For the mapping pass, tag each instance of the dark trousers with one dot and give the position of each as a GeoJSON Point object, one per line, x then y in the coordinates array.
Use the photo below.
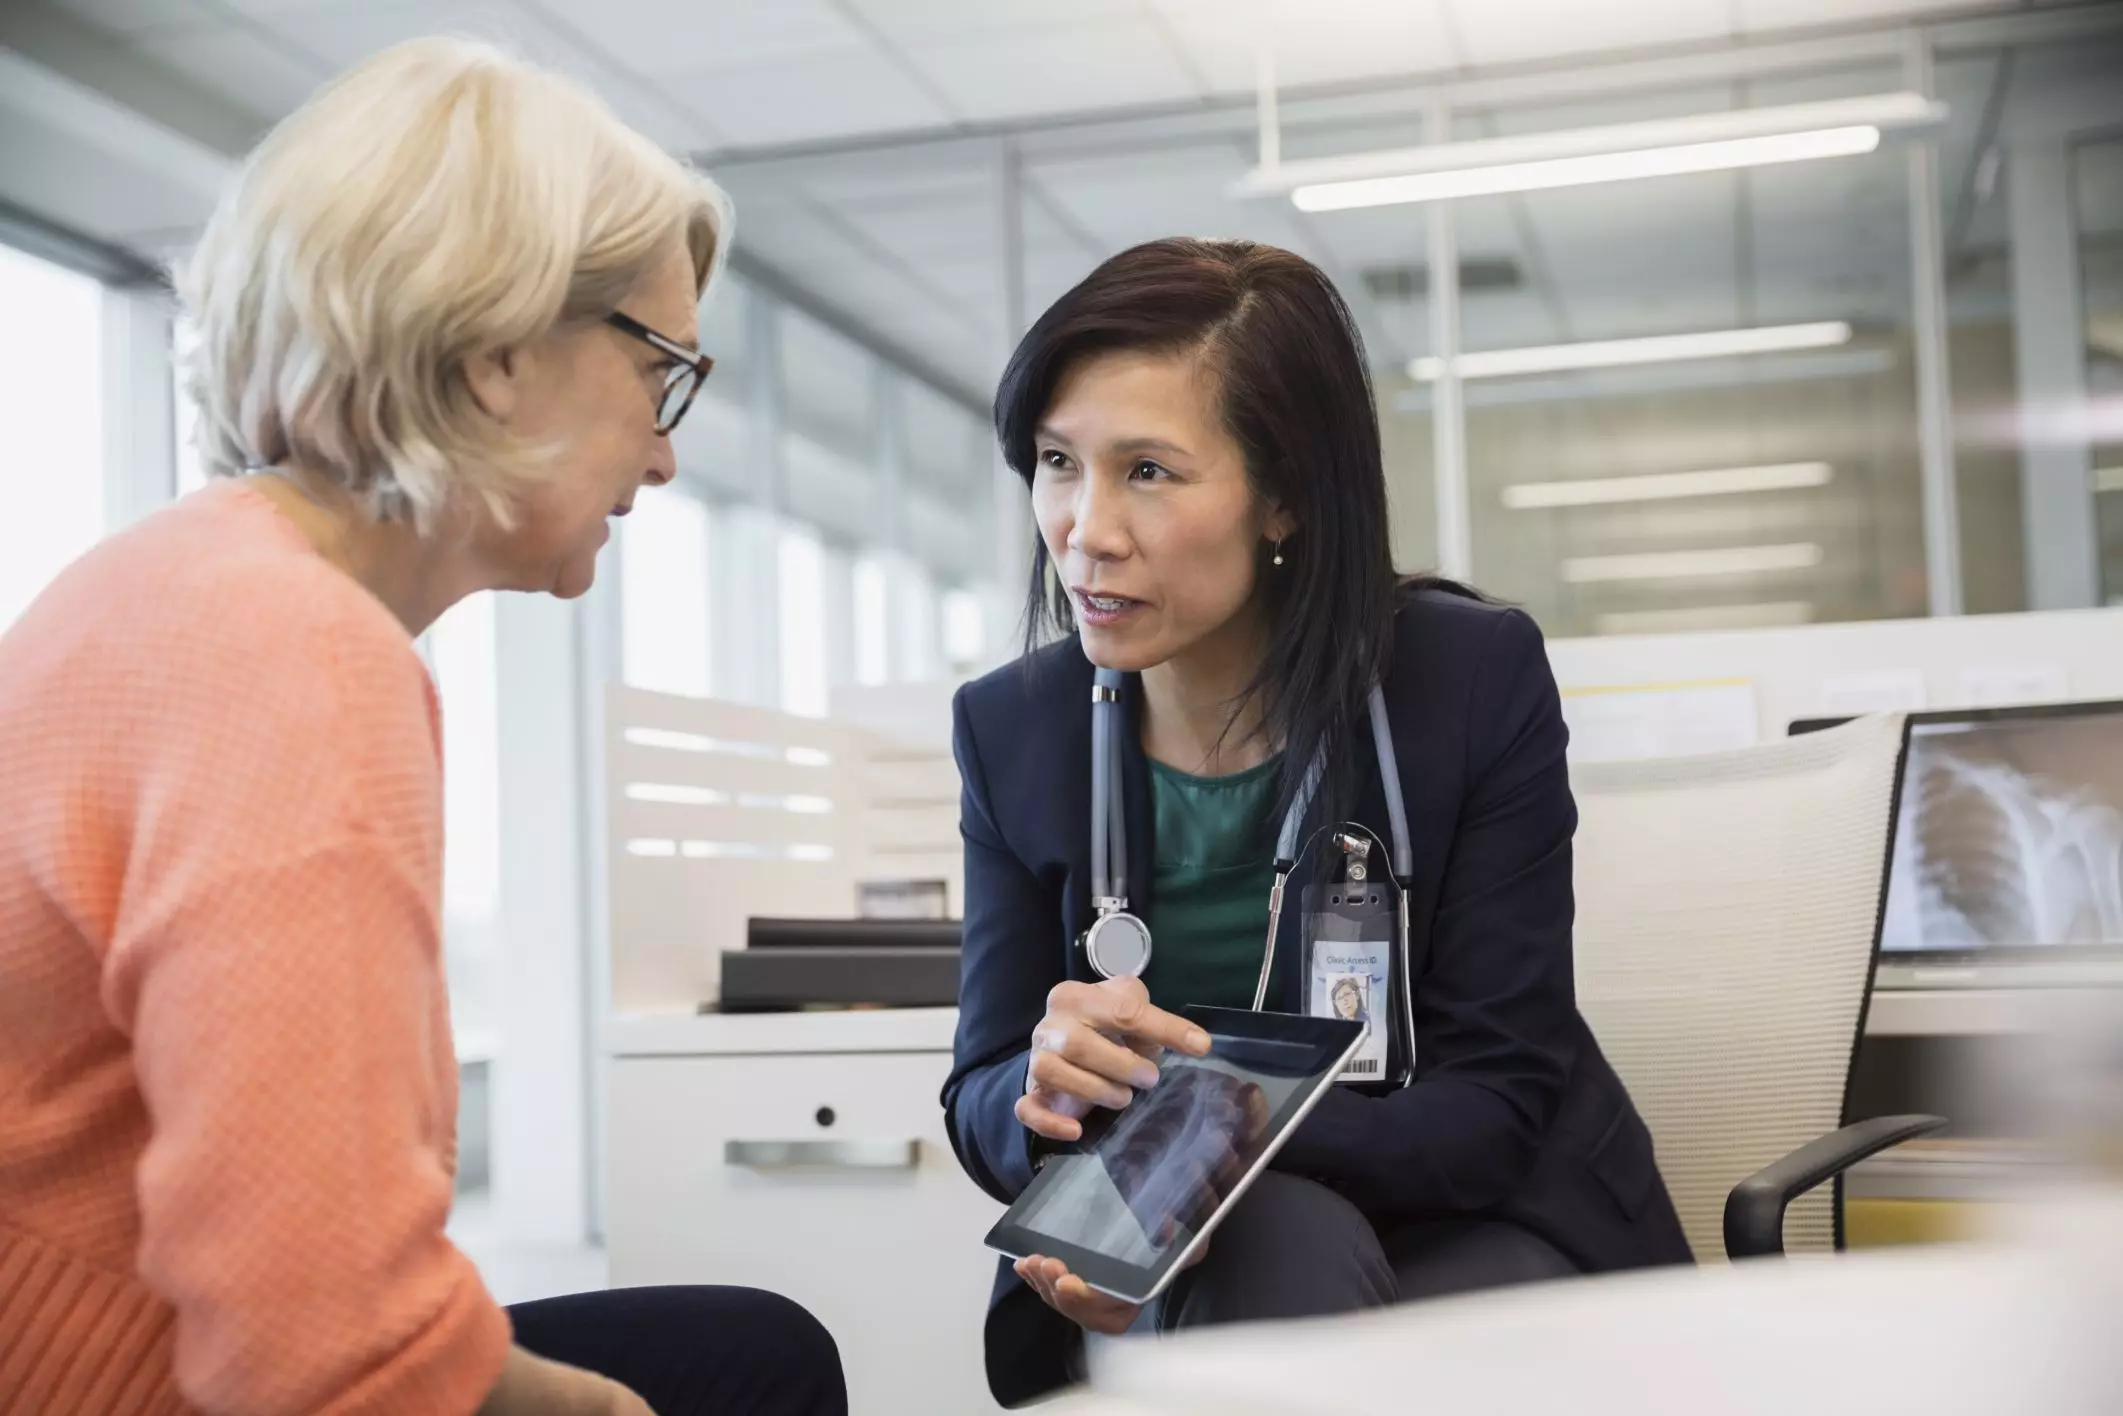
{"type": "Point", "coordinates": [694, 1351]}
{"type": "Point", "coordinates": [1295, 1249]}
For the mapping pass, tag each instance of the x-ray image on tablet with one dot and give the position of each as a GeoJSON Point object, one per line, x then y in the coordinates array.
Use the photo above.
{"type": "Point", "coordinates": [1126, 1207]}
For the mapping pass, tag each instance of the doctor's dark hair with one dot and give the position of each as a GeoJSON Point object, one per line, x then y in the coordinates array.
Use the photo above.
{"type": "Point", "coordinates": [1289, 367]}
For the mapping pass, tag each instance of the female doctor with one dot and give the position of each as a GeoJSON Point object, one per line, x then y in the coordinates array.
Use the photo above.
{"type": "Point", "coordinates": [1195, 425]}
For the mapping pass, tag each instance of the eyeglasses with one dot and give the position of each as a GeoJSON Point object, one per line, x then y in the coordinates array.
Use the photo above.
{"type": "Point", "coordinates": [681, 383]}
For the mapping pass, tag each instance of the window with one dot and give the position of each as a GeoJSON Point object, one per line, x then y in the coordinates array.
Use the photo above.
{"type": "Point", "coordinates": [873, 619]}
{"type": "Point", "coordinates": [917, 621]}
{"type": "Point", "coordinates": [460, 651]}
{"type": "Point", "coordinates": [191, 475]}
{"type": "Point", "coordinates": [1714, 486]}
{"type": "Point", "coordinates": [965, 629]}
{"type": "Point", "coordinates": [2097, 181]}
{"type": "Point", "coordinates": [803, 624]}
{"type": "Point", "coordinates": [664, 593]}
{"type": "Point", "coordinates": [51, 424]}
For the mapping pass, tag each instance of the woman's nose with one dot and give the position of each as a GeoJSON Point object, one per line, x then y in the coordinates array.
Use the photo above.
{"type": "Point", "coordinates": [1098, 529]}
{"type": "Point", "coordinates": [663, 463]}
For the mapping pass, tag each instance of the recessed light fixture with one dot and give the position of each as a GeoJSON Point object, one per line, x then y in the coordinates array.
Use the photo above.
{"type": "Point", "coordinates": [1683, 565]}
{"type": "Point", "coordinates": [1553, 172]}
{"type": "Point", "coordinates": [1704, 142]}
{"type": "Point", "coordinates": [1652, 349]}
{"type": "Point", "coordinates": [1660, 486]}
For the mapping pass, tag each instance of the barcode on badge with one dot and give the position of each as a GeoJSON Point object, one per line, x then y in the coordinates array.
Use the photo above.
{"type": "Point", "coordinates": [1363, 1067]}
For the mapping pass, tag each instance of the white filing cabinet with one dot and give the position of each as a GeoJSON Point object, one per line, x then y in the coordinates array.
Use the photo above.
{"type": "Point", "coordinates": [804, 1153]}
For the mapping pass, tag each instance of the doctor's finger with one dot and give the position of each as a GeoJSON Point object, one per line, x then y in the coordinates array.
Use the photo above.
{"type": "Point", "coordinates": [1129, 1011]}
{"type": "Point", "coordinates": [1100, 1312]}
{"type": "Point", "coordinates": [1033, 1271]}
{"type": "Point", "coordinates": [1038, 1113]}
{"type": "Point", "coordinates": [1052, 1072]}
{"type": "Point", "coordinates": [1076, 1042]}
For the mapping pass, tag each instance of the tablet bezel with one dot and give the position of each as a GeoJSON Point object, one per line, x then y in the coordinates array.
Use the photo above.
{"type": "Point", "coordinates": [1139, 1284]}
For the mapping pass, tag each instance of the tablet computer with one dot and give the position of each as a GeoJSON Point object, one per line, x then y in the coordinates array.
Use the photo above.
{"type": "Point", "coordinates": [1128, 1205]}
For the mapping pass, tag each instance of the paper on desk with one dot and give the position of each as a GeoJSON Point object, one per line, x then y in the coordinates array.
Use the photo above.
{"type": "Point", "coordinates": [2003, 685]}
{"type": "Point", "coordinates": [1881, 691]}
{"type": "Point", "coordinates": [1614, 722]}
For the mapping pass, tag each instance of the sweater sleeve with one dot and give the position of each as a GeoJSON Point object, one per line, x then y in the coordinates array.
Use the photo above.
{"type": "Point", "coordinates": [293, 1194]}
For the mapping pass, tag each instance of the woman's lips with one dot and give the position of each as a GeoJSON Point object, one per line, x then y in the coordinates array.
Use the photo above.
{"type": "Point", "coordinates": [1100, 611]}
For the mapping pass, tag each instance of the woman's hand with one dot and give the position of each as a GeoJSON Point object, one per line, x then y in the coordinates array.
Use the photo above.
{"type": "Point", "coordinates": [1075, 1299]}
{"type": "Point", "coordinates": [1097, 1046]}
{"type": "Point", "coordinates": [531, 1385]}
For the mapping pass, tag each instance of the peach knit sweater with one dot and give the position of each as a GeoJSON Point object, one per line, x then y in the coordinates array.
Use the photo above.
{"type": "Point", "coordinates": [228, 1097]}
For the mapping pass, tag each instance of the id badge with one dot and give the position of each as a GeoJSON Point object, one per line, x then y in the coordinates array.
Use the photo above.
{"type": "Point", "coordinates": [1349, 936]}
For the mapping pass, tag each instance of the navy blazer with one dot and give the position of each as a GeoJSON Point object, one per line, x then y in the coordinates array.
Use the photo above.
{"type": "Point", "coordinates": [1513, 1112]}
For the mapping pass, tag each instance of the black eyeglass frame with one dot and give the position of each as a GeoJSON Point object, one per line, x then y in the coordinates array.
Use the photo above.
{"type": "Point", "coordinates": [692, 365]}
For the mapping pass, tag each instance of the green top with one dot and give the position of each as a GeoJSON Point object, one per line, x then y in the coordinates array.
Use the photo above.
{"type": "Point", "coordinates": [1208, 900]}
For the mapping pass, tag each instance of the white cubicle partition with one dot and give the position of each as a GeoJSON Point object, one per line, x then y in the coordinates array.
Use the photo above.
{"type": "Point", "coordinates": [1777, 675]}
{"type": "Point", "coordinates": [800, 1153]}
{"type": "Point", "coordinates": [720, 813]}
{"type": "Point", "coordinates": [1846, 669]}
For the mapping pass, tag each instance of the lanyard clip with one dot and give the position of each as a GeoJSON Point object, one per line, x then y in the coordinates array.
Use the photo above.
{"type": "Point", "coordinates": [1356, 856]}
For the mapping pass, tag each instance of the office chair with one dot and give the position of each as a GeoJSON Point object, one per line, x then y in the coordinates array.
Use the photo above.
{"type": "Point", "coordinates": [1728, 913]}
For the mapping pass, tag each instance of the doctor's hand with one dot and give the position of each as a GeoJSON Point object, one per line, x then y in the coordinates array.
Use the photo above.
{"type": "Point", "coordinates": [1097, 1046]}
{"type": "Point", "coordinates": [1075, 1299]}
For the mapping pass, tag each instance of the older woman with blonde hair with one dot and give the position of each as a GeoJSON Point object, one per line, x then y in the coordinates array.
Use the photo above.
{"type": "Point", "coordinates": [447, 319]}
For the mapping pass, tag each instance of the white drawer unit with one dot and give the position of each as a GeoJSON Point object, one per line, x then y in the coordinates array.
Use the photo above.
{"type": "Point", "coordinates": [805, 1154]}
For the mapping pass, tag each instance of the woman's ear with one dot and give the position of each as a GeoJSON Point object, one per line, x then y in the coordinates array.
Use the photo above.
{"type": "Point", "coordinates": [493, 376]}
{"type": "Point", "coordinates": [1279, 525]}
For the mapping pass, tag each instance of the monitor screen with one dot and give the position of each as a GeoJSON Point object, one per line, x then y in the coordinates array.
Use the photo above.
{"type": "Point", "coordinates": [2009, 832]}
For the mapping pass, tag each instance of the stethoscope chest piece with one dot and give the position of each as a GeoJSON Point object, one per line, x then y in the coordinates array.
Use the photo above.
{"type": "Point", "coordinates": [1117, 945]}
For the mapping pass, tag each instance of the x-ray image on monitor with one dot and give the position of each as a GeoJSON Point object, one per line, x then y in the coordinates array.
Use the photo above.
{"type": "Point", "coordinates": [2009, 833]}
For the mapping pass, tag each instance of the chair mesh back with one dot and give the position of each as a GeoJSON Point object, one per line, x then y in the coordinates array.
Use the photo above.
{"type": "Point", "coordinates": [1726, 908]}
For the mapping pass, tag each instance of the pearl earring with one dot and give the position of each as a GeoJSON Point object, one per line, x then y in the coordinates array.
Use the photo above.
{"type": "Point", "coordinates": [1278, 550]}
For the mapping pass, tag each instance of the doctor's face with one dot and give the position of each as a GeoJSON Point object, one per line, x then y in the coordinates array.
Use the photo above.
{"type": "Point", "coordinates": [1147, 512]}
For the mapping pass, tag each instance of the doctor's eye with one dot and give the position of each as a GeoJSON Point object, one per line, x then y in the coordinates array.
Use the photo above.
{"type": "Point", "coordinates": [1145, 470]}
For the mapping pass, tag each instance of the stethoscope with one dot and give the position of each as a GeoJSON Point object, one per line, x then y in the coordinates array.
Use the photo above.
{"type": "Point", "coordinates": [1117, 945]}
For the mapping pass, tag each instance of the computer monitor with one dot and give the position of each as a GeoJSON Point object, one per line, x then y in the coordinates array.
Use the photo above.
{"type": "Point", "coordinates": [2008, 836]}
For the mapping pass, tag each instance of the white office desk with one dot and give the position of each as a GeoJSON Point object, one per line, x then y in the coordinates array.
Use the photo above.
{"type": "Point", "coordinates": [1966, 1012]}
{"type": "Point", "coordinates": [804, 1153]}
{"type": "Point", "coordinates": [722, 1170]}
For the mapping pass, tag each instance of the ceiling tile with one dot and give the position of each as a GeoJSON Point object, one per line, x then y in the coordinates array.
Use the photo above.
{"type": "Point", "coordinates": [965, 17]}
{"type": "Point", "coordinates": [671, 36]}
{"type": "Point", "coordinates": [1315, 41]}
{"type": "Point", "coordinates": [105, 192]}
{"type": "Point", "coordinates": [1116, 62]}
{"type": "Point", "coordinates": [1760, 16]}
{"type": "Point", "coordinates": [132, 16]}
{"type": "Point", "coordinates": [347, 33]}
{"type": "Point", "coordinates": [801, 100]}
{"type": "Point", "coordinates": [1512, 31]}
{"type": "Point", "coordinates": [262, 77]}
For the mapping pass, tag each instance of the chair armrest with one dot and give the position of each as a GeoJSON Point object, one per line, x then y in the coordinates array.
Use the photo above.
{"type": "Point", "coordinates": [1754, 1212]}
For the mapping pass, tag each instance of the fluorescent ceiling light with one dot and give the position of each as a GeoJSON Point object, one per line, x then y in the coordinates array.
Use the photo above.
{"type": "Point", "coordinates": [1654, 349]}
{"type": "Point", "coordinates": [1680, 565]}
{"type": "Point", "coordinates": [1777, 614]}
{"type": "Point", "coordinates": [1585, 171]}
{"type": "Point", "coordinates": [1599, 491]}
{"type": "Point", "coordinates": [1704, 142]}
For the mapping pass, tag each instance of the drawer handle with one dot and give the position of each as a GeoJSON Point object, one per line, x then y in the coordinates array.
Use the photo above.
{"type": "Point", "coordinates": [822, 1155]}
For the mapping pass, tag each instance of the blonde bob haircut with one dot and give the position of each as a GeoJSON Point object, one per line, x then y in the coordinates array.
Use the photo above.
{"type": "Point", "coordinates": [439, 201]}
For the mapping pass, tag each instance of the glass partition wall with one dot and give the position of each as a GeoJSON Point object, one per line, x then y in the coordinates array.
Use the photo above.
{"type": "Point", "coordinates": [1850, 391]}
